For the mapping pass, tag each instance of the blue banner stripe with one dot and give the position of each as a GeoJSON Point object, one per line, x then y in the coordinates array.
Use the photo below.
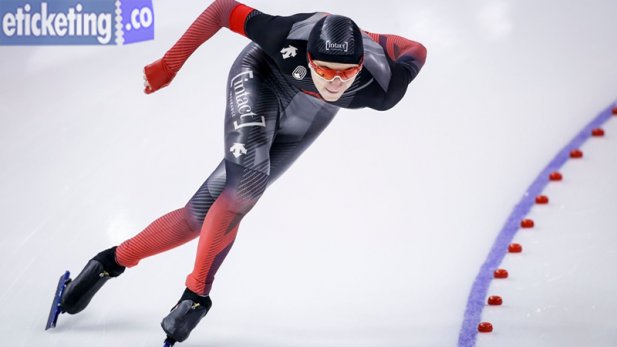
{"type": "Point", "coordinates": [73, 22]}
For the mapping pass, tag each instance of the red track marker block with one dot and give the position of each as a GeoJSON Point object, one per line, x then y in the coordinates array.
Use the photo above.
{"type": "Point", "coordinates": [542, 199]}
{"type": "Point", "coordinates": [615, 110]}
{"type": "Point", "coordinates": [527, 224]}
{"type": "Point", "coordinates": [515, 248]}
{"type": "Point", "coordinates": [555, 176]}
{"type": "Point", "coordinates": [495, 300]}
{"type": "Point", "coordinates": [576, 153]}
{"type": "Point", "coordinates": [598, 132]}
{"type": "Point", "coordinates": [501, 273]}
{"type": "Point", "coordinates": [485, 327]}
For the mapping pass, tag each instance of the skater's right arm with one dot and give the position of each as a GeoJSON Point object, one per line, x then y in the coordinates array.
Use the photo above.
{"type": "Point", "coordinates": [264, 29]}
{"type": "Point", "coordinates": [160, 73]}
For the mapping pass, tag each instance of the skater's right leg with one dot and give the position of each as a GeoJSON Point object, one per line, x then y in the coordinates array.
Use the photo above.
{"type": "Point", "coordinates": [174, 228]}
{"type": "Point", "coordinates": [169, 231]}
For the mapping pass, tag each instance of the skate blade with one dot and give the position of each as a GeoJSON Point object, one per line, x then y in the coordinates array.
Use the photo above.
{"type": "Point", "coordinates": [55, 310]}
{"type": "Point", "coordinates": [169, 342]}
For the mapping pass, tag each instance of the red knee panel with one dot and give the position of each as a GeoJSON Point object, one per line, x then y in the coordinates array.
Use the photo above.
{"type": "Point", "coordinates": [167, 232]}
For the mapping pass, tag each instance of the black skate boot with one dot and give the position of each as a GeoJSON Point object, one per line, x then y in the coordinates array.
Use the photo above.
{"type": "Point", "coordinates": [185, 316]}
{"type": "Point", "coordinates": [97, 271]}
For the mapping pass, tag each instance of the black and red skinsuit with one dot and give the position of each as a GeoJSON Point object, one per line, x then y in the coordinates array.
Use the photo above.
{"type": "Point", "coordinates": [274, 112]}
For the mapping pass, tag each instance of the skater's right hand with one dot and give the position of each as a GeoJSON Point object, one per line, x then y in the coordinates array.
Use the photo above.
{"type": "Point", "coordinates": [156, 76]}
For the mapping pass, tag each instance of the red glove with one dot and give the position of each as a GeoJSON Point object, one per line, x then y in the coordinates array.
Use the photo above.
{"type": "Point", "coordinates": [156, 76]}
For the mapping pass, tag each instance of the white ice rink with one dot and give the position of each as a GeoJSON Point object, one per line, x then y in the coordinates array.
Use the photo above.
{"type": "Point", "coordinates": [375, 236]}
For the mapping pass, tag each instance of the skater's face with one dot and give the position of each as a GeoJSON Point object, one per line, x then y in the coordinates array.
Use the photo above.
{"type": "Point", "coordinates": [341, 77]}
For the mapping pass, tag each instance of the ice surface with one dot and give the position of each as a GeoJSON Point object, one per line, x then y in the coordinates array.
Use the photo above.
{"type": "Point", "coordinates": [374, 237]}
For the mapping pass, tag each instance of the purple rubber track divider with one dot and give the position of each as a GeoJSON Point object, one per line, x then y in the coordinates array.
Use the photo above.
{"type": "Point", "coordinates": [479, 289]}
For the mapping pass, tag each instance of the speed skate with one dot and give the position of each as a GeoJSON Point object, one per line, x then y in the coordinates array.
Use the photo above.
{"type": "Point", "coordinates": [56, 309]}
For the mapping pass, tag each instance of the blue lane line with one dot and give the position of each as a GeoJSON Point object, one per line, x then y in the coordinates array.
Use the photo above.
{"type": "Point", "coordinates": [475, 301]}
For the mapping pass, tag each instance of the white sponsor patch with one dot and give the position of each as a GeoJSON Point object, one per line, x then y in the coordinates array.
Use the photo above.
{"type": "Point", "coordinates": [299, 72]}
{"type": "Point", "coordinates": [289, 52]}
{"type": "Point", "coordinates": [238, 149]}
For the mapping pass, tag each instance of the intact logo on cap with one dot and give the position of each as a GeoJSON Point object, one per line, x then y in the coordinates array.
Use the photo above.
{"type": "Point", "coordinates": [340, 47]}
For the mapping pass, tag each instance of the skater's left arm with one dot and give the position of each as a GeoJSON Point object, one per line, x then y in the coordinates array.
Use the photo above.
{"type": "Point", "coordinates": [407, 58]}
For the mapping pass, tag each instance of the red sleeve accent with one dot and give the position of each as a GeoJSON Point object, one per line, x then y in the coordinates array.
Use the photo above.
{"type": "Point", "coordinates": [221, 13]}
{"type": "Point", "coordinates": [213, 18]}
{"type": "Point", "coordinates": [397, 46]}
{"type": "Point", "coordinates": [237, 18]}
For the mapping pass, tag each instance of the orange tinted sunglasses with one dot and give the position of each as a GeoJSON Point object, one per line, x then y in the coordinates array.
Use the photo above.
{"type": "Point", "coordinates": [329, 74]}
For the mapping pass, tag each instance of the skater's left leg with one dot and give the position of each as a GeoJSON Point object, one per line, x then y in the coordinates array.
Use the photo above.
{"type": "Point", "coordinates": [304, 119]}
{"type": "Point", "coordinates": [243, 189]}
{"type": "Point", "coordinates": [270, 152]}
{"type": "Point", "coordinates": [251, 120]}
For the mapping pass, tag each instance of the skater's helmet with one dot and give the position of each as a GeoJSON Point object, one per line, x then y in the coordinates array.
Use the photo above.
{"type": "Point", "coordinates": [336, 39]}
